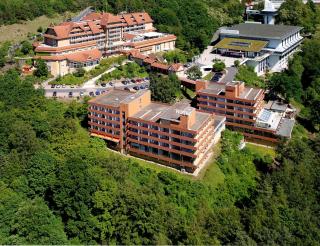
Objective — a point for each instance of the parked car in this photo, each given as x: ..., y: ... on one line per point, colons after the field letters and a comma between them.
x: 142, y: 87
x: 54, y: 94
x: 124, y: 82
x: 63, y: 86
x: 81, y: 93
x: 102, y: 92
x: 126, y: 89
x: 91, y: 94
x: 103, y: 84
x: 58, y: 86
x: 97, y: 93
x: 71, y: 86
x: 147, y: 86
x: 70, y: 94
x: 136, y: 88
x: 147, y: 78
x: 52, y: 86
x: 133, y: 81
x: 139, y: 80
x: 111, y: 83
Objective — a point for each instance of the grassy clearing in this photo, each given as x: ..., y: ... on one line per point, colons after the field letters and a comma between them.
x: 19, y: 32
x: 261, y: 150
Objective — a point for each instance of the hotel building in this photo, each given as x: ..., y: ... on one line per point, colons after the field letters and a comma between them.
x: 82, y: 43
x: 245, y: 110
x: 261, y: 46
x: 174, y: 135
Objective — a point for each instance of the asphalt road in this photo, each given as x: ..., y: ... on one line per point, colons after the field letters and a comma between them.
x: 231, y: 73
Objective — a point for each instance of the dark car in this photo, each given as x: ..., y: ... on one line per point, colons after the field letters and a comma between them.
x: 142, y: 87
x: 124, y: 82
x: 126, y: 89
x: 111, y: 83
x: 103, y: 84
x: 91, y: 94
x: 52, y: 86
x: 136, y: 88
x: 54, y: 94
x: 97, y: 93
x: 133, y: 81
x: 70, y: 94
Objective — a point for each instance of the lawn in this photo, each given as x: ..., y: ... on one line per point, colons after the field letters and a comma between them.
x: 261, y: 150
x: 129, y: 70
x: 19, y: 32
x: 69, y: 79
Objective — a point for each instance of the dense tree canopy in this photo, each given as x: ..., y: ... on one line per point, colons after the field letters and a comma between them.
x: 59, y: 186
x: 164, y: 88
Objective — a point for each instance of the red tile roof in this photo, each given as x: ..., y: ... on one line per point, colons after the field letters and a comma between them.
x: 84, y: 56
x: 160, y: 65
x: 44, y: 48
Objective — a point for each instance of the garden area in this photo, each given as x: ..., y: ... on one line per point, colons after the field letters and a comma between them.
x: 81, y: 76
x: 130, y: 70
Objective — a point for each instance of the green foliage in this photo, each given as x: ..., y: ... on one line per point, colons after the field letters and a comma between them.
x: 130, y: 70
x: 42, y: 69
x: 70, y: 79
x: 218, y: 66
x: 80, y: 72
x: 105, y: 64
x: 296, y: 13
x: 3, y: 53
x: 250, y: 77
x: 26, y: 47
x: 40, y: 29
x: 175, y: 56
x: 164, y: 88
x: 194, y: 73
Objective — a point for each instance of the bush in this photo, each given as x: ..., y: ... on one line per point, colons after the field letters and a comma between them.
x: 218, y: 66
x: 42, y: 69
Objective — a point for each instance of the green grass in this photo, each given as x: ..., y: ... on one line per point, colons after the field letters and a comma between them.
x: 261, y: 150
x: 19, y: 32
x: 69, y: 79
x: 208, y: 76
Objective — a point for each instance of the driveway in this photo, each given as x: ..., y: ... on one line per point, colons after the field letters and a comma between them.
x: 231, y: 73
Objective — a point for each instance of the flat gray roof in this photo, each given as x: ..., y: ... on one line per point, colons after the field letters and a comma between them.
x: 264, y: 31
x: 285, y: 127
x: 158, y: 111
x: 115, y: 97
x: 249, y: 93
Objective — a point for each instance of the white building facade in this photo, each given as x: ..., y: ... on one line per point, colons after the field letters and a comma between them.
x: 280, y: 43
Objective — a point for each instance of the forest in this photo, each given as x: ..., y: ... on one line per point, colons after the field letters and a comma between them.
x: 59, y: 186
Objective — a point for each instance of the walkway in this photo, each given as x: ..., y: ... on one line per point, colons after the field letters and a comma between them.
x: 91, y: 83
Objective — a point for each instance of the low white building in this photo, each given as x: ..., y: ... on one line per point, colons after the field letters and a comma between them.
x: 264, y: 47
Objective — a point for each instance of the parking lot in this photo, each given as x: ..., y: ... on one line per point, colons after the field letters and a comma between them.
x: 60, y: 91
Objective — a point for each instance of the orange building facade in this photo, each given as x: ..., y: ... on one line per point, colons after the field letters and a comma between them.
x: 71, y: 45
x: 244, y: 109
x: 174, y: 135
